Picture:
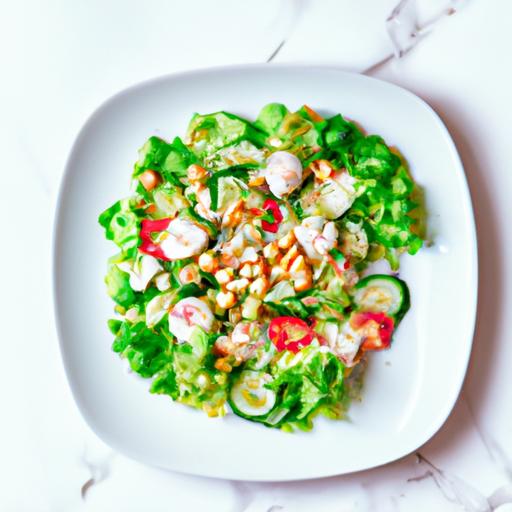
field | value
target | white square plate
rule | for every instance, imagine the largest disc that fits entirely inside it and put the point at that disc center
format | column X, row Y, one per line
column 409, row 390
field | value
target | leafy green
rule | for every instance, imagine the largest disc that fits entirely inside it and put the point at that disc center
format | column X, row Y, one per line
column 270, row 117
column 210, row 132
column 371, row 158
column 213, row 183
column 118, row 286
column 340, row 134
column 121, row 225
column 300, row 135
column 307, row 386
column 171, row 160
column 146, row 351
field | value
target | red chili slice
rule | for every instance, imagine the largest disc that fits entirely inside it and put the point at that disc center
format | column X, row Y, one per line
column 272, row 206
column 380, row 329
column 290, row 333
column 147, row 228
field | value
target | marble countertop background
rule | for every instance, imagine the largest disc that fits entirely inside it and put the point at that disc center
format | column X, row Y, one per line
column 61, row 59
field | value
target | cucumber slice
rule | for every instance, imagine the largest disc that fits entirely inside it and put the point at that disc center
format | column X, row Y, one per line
column 380, row 293
column 249, row 398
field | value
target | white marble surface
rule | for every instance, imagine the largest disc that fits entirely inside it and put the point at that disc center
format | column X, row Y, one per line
column 60, row 60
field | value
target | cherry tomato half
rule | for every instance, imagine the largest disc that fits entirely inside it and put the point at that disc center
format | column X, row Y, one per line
column 378, row 329
column 290, row 333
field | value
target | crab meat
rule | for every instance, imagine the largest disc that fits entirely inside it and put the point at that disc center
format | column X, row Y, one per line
column 283, row 173
column 187, row 314
column 142, row 271
column 183, row 239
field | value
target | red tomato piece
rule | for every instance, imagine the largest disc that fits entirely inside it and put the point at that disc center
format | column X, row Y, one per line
column 378, row 326
column 147, row 228
column 271, row 206
column 290, row 333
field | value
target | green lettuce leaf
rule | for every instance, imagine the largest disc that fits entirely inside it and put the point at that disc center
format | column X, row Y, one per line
column 210, row 132
column 170, row 159
column 270, row 117
column 121, row 225
column 146, row 350
column 118, row 286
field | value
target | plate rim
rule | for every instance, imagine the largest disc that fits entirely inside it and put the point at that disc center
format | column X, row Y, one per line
column 57, row 240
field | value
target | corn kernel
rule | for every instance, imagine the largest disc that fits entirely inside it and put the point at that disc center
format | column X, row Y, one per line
column 224, row 276
column 256, row 181
column 287, row 241
column 288, row 258
column 257, row 270
column 246, row 270
column 271, row 251
column 322, row 168
column 212, row 412
column 302, row 283
column 207, row 263
column 225, row 300
column 249, row 255
column 277, row 274
column 259, row 287
column 238, row 285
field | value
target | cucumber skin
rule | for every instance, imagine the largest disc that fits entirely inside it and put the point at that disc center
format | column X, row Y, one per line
column 406, row 296
column 256, row 419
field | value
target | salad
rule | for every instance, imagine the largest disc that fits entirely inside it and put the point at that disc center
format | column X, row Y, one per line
column 242, row 248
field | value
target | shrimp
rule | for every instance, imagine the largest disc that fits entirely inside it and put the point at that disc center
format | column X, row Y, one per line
column 316, row 244
column 283, row 173
column 183, row 239
column 186, row 315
